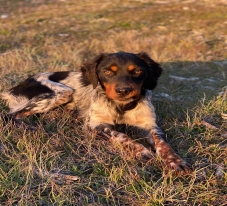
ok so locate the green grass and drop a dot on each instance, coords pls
(188, 39)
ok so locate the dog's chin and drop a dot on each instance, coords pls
(126, 100)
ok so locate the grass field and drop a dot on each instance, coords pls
(61, 165)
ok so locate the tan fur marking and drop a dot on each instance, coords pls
(136, 90)
(131, 67)
(114, 68)
(110, 90)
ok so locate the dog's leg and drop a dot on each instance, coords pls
(121, 139)
(154, 136)
(38, 105)
(43, 102)
(165, 151)
(171, 160)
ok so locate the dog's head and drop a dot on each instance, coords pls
(122, 75)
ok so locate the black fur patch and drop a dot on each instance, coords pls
(88, 70)
(154, 71)
(30, 88)
(122, 108)
(58, 76)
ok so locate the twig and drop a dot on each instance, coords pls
(208, 125)
(56, 175)
(183, 78)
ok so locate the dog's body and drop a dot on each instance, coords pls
(110, 90)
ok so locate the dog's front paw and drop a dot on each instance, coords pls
(123, 140)
(175, 163)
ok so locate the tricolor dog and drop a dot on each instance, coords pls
(111, 89)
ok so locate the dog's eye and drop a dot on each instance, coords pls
(137, 72)
(108, 72)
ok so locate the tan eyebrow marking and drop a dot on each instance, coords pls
(131, 67)
(114, 68)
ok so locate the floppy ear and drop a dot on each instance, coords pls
(154, 71)
(88, 70)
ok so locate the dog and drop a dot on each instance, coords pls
(111, 89)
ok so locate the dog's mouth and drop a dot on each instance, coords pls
(122, 95)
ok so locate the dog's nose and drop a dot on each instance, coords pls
(123, 90)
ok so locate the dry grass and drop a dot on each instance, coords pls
(188, 38)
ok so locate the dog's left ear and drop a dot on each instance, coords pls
(89, 70)
(154, 72)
